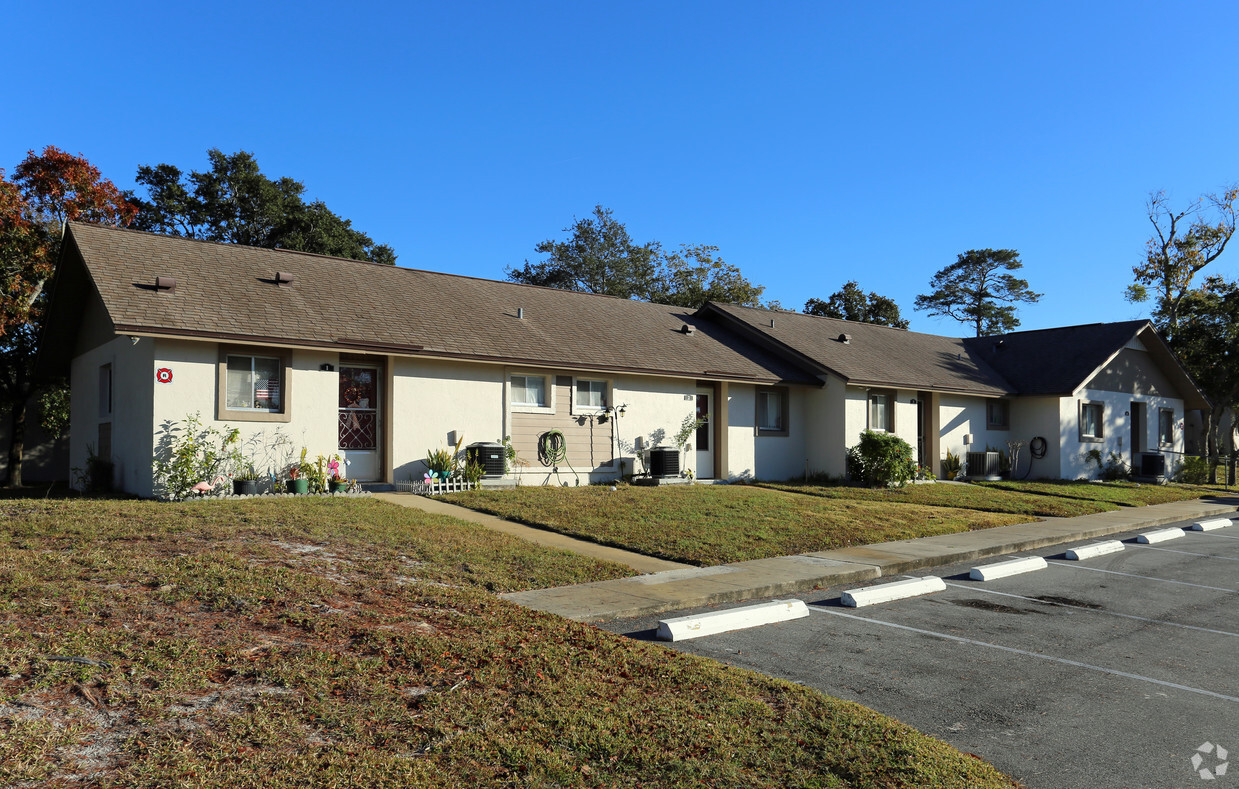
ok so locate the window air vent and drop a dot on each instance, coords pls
(165, 283)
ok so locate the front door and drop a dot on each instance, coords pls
(704, 438)
(359, 421)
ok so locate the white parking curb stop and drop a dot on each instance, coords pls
(697, 625)
(1159, 535)
(1210, 525)
(1094, 549)
(989, 572)
(884, 593)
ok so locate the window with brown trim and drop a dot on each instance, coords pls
(882, 410)
(997, 414)
(253, 384)
(1165, 427)
(771, 411)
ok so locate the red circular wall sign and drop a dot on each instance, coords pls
(163, 375)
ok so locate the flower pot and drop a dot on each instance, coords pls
(298, 485)
(339, 487)
(245, 487)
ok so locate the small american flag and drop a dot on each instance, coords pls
(264, 390)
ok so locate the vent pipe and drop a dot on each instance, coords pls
(520, 313)
(165, 283)
(283, 278)
(845, 338)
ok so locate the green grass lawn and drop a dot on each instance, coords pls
(355, 643)
(719, 524)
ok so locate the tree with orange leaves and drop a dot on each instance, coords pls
(46, 190)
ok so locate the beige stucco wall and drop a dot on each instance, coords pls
(436, 403)
(825, 423)
(132, 376)
(312, 395)
(656, 407)
(1033, 417)
(964, 414)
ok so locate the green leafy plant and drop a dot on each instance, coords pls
(688, 428)
(510, 458)
(1112, 469)
(1193, 471)
(188, 453)
(952, 465)
(884, 459)
(473, 472)
(444, 463)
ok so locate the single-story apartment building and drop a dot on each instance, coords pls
(384, 365)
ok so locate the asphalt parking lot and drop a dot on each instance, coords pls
(1112, 671)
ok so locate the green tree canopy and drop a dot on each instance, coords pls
(235, 203)
(1182, 244)
(973, 288)
(600, 257)
(850, 303)
(1206, 342)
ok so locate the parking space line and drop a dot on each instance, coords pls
(1094, 610)
(1223, 536)
(1026, 653)
(1075, 566)
(1189, 553)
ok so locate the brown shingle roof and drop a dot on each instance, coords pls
(225, 291)
(875, 355)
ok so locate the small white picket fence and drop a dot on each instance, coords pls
(436, 487)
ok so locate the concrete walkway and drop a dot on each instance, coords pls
(637, 561)
(690, 587)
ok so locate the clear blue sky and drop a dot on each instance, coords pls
(812, 142)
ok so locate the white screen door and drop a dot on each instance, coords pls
(359, 422)
(704, 439)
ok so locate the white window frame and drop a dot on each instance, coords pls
(578, 408)
(548, 383)
(1101, 421)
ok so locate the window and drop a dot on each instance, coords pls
(771, 411)
(529, 390)
(1091, 421)
(589, 395)
(254, 385)
(105, 392)
(882, 411)
(1165, 426)
(997, 414)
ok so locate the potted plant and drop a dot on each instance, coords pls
(245, 481)
(337, 483)
(298, 480)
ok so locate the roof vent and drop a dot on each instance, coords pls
(165, 283)
(845, 338)
(520, 313)
(772, 323)
(687, 329)
(283, 278)
(999, 345)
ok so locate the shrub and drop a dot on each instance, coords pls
(188, 453)
(1114, 468)
(883, 459)
(1193, 471)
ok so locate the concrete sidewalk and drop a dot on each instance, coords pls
(692, 587)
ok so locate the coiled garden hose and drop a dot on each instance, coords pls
(553, 450)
